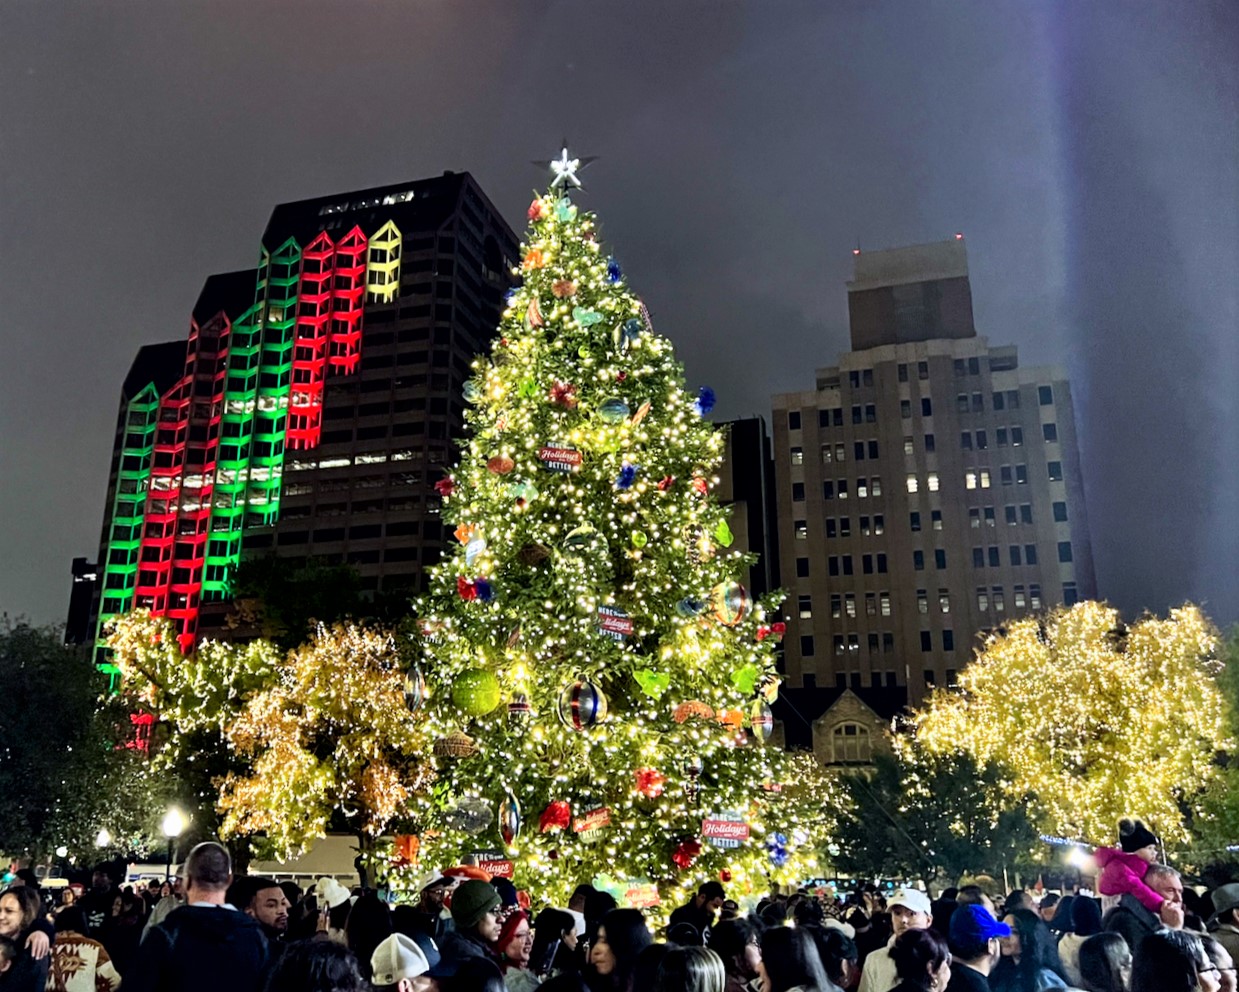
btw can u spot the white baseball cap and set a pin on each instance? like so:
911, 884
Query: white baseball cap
913, 899
397, 957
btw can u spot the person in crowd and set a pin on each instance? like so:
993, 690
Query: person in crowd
1085, 922
317, 966
975, 939
334, 905
1018, 899
555, 944
79, 964
738, 944
1105, 963
922, 961
910, 909
122, 931
1123, 868
838, 955
597, 905
942, 908
19, 913
265, 901
98, 900
1221, 959
684, 935
1135, 922
475, 906
1173, 961
169, 899
205, 945
701, 909
1223, 924
368, 925
8, 956
1047, 906
690, 969
1060, 922
400, 965
1029, 956
514, 945
790, 962
974, 895
622, 935
730, 910
68, 897
428, 914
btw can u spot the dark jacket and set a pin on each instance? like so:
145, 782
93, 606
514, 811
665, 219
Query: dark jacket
701, 917
25, 974
1131, 920
200, 949
965, 979
458, 947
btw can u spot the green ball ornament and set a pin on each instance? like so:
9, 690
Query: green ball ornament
583, 352
475, 692
639, 539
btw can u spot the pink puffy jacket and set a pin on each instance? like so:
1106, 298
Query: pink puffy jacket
1123, 874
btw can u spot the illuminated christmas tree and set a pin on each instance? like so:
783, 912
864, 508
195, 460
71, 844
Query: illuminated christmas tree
595, 678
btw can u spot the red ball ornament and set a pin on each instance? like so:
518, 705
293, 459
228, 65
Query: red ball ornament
621, 376
535, 210
650, 782
445, 486
556, 816
724, 875
665, 483
564, 394
686, 853
467, 590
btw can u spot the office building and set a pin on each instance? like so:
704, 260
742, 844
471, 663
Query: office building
929, 490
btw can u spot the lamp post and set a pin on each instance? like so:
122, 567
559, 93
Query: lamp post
173, 824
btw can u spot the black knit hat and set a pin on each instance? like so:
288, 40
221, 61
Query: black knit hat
1133, 835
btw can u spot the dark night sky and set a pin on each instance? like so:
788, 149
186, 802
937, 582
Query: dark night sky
1089, 150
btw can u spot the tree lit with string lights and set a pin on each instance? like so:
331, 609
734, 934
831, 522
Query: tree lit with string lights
1095, 719
595, 679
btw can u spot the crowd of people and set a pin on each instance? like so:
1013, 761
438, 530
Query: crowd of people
468, 932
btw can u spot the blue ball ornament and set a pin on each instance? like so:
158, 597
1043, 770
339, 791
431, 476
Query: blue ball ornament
582, 705
705, 400
484, 590
614, 273
626, 477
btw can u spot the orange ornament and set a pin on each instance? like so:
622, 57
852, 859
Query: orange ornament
563, 288
533, 259
692, 708
465, 533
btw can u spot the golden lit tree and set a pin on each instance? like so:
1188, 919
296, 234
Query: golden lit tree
1097, 719
329, 742
596, 678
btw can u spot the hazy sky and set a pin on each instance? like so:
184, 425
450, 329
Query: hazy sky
1089, 151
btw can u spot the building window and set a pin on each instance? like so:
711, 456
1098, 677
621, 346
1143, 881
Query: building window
866, 564
828, 490
797, 456
989, 516
978, 557
970, 480
847, 564
999, 603
858, 450
875, 485
961, 403
881, 564
832, 527
1026, 513
845, 526
948, 640
927, 640
1004, 475
984, 477
935, 519
1000, 437
1012, 514
802, 530
842, 487
929, 442
939, 558
1014, 552
802, 568
1017, 436
914, 521
806, 646
1030, 554
1013, 399
918, 560
884, 600
1045, 395
850, 745
997, 400
856, 414
960, 366
849, 604
994, 558
1021, 475
1056, 471
1034, 597
1017, 594
832, 565
871, 604
854, 378
840, 454
805, 604
1050, 433
827, 457
932, 482
888, 645
930, 678
839, 645
862, 488
982, 598
944, 600
1064, 551
793, 420
873, 449
907, 446
1070, 595
871, 413
913, 484
905, 409
865, 528
978, 403
797, 492
879, 525
927, 407
922, 370
901, 371
922, 601
873, 649
982, 443
853, 644
1060, 512
836, 605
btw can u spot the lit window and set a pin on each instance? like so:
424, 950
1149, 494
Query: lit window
840, 452
879, 524
984, 478
865, 530
970, 480
875, 486
999, 603
932, 482
871, 605
944, 600
884, 599
849, 604
1019, 597
907, 446
862, 488
989, 516
843, 488
913, 485
922, 601
805, 604
982, 599
836, 605
845, 526
935, 519
827, 454
1034, 597
797, 456
802, 530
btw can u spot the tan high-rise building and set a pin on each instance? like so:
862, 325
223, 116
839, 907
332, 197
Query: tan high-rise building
929, 488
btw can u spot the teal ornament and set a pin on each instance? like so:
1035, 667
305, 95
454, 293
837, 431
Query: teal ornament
471, 815
565, 210
627, 333
524, 490
472, 392
473, 549
584, 317
580, 537
690, 607
614, 410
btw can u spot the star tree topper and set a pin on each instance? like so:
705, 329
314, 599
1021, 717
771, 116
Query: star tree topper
565, 169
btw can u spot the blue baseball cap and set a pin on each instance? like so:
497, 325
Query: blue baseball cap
972, 924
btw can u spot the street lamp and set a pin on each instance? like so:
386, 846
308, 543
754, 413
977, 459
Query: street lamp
61, 851
173, 824
103, 838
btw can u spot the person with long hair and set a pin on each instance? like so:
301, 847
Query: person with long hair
316, 966
622, 935
738, 944
18, 912
367, 926
1173, 961
554, 944
1030, 960
690, 969
513, 947
1105, 963
922, 962
1085, 921
790, 962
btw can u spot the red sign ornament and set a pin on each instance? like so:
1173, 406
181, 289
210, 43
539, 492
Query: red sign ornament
559, 458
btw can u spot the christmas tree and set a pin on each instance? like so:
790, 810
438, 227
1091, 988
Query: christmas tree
596, 679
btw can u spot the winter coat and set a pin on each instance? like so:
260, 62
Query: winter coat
80, 964
200, 949
1131, 921
879, 973
458, 947
1123, 874
1069, 954
1227, 934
